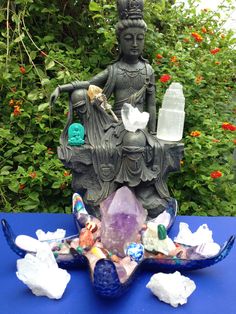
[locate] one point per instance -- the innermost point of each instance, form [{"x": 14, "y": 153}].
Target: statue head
[{"x": 131, "y": 28}]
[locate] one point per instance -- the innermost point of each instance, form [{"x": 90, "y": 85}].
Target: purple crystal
[{"x": 122, "y": 219}]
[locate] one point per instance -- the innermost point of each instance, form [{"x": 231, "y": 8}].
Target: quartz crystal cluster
[
  {"x": 171, "y": 288},
  {"x": 133, "y": 119},
  {"x": 201, "y": 240},
  {"x": 41, "y": 273}
]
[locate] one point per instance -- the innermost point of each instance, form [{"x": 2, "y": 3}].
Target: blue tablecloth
[{"x": 215, "y": 292}]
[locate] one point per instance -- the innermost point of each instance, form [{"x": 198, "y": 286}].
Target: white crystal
[
  {"x": 186, "y": 236},
  {"x": 42, "y": 274},
  {"x": 171, "y": 288},
  {"x": 45, "y": 236},
  {"x": 133, "y": 119},
  {"x": 171, "y": 116}
]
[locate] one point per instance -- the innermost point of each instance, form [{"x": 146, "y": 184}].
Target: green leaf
[
  {"x": 93, "y": 6},
  {"x": 14, "y": 186},
  {"x": 49, "y": 64},
  {"x": 43, "y": 106},
  {"x": 33, "y": 95},
  {"x": 33, "y": 54},
  {"x": 19, "y": 38}
]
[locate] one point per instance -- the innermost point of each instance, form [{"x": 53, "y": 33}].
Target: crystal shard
[{"x": 122, "y": 219}]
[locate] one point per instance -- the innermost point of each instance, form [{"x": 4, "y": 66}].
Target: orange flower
[
  {"x": 173, "y": 59},
  {"x": 217, "y": 62},
  {"x": 204, "y": 30},
  {"x": 22, "y": 70},
  {"x": 195, "y": 133},
  {"x": 33, "y": 174},
  {"x": 159, "y": 56},
  {"x": 214, "y": 51},
  {"x": 234, "y": 141},
  {"x": 198, "y": 79},
  {"x": 198, "y": 38},
  {"x": 222, "y": 36},
  {"x": 186, "y": 40},
  {"x": 215, "y": 140},
  {"x": 216, "y": 174},
  {"x": 17, "y": 111},
  {"x": 66, "y": 173}
]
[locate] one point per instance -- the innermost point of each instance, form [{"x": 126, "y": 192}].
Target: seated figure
[{"x": 112, "y": 156}]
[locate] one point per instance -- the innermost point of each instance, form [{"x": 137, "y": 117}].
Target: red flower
[
  {"x": 159, "y": 56},
  {"x": 216, "y": 174},
  {"x": 33, "y": 174},
  {"x": 17, "y": 111},
  {"x": 197, "y": 37},
  {"x": 234, "y": 141},
  {"x": 214, "y": 51},
  {"x": 228, "y": 126},
  {"x": 165, "y": 78},
  {"x": 22, "y": 70}
]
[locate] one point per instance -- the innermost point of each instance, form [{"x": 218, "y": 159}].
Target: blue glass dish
[{"x": 105, "y": 278}]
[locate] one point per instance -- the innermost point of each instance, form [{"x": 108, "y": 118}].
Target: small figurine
[{"x": 76, "y": 134}]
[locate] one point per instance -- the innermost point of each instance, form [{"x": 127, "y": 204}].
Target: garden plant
[{"x": 43, "y": 46}]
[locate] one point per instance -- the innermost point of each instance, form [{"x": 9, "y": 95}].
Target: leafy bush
[{"x": 41, "y": 47}]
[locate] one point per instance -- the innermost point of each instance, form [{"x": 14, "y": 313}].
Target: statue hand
[{"x": 54, "y": 96}]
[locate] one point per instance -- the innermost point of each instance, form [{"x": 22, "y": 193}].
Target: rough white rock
[
  {"x": 171, "y": 288},
  {"x": 42, "y": 274},
  {"x": 151, "y": 241},
  {"x": 133, "y": 119}
]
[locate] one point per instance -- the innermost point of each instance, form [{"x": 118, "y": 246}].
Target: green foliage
[{"x": 41, "y": 47}]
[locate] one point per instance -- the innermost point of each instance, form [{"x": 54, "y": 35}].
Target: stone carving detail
[{"x": 112, "y": 156}]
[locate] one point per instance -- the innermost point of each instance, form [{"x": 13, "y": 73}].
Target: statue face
[{"x": 132, "y": 42}]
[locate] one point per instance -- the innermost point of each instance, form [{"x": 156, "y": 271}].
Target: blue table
[{"x": 215, "y": 292}]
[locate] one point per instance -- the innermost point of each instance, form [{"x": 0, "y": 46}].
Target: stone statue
[{"x": 112, "y": 156}]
